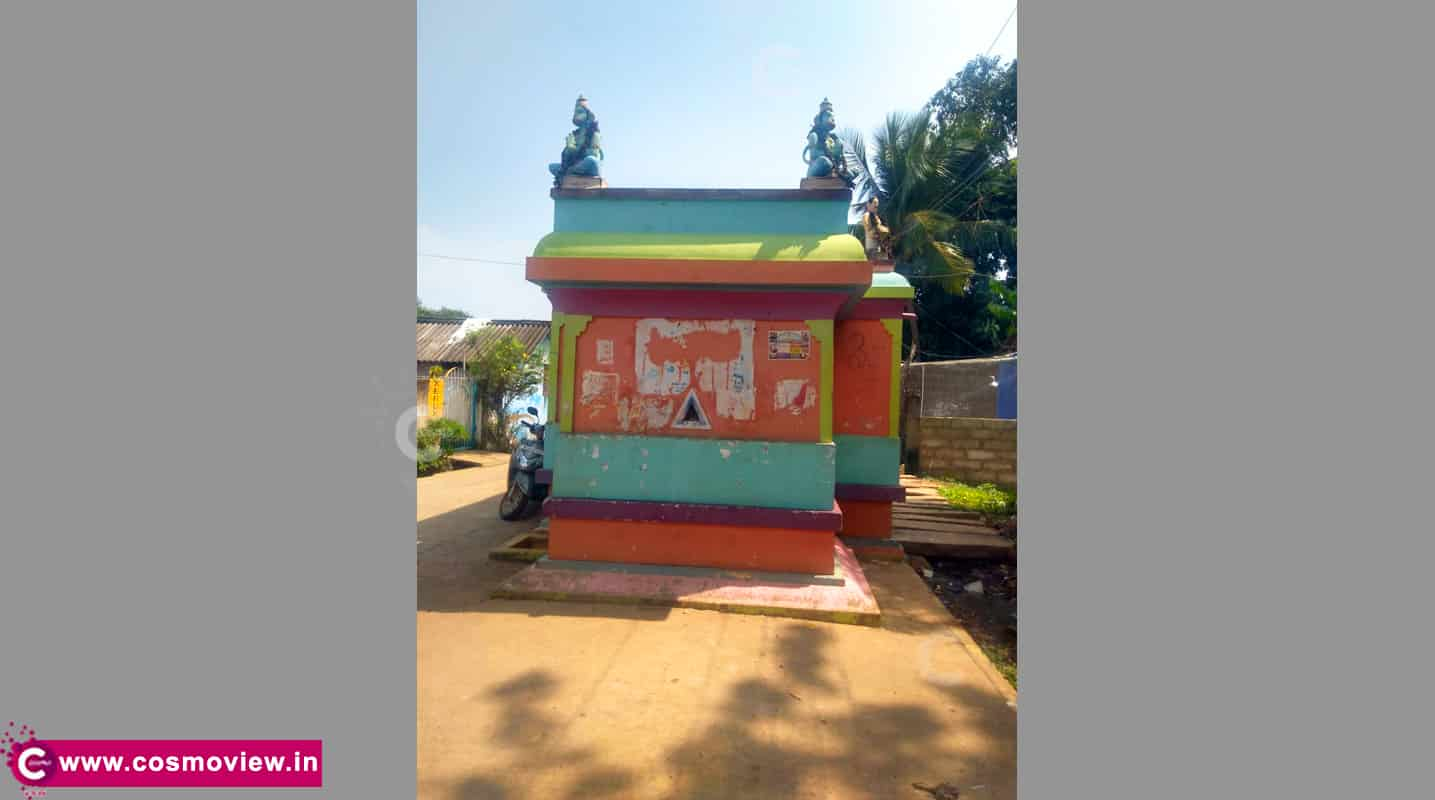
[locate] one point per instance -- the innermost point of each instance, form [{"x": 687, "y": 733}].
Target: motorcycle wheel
[{"x": 514, "y": 502}]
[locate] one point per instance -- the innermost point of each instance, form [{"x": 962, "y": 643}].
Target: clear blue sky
[{"x": 713, "y": 95}]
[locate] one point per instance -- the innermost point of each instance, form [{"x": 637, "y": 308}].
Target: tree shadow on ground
[
  {"x": 793, "y": 732},
  {"x": 800, "y": 648},
  {"x": 530, "y": 738},
  {"x": 772, "y": 741}
]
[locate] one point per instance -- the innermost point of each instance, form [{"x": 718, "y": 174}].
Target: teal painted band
[
  {"x": 797, "y": 475},
  {"x": 600, "y": 215},
  {"x": 873, "y": 460}
]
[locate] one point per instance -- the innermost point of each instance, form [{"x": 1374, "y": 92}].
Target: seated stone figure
[
  {"x": 823, "y": 153},
  {"x": 583, "y": 150}
]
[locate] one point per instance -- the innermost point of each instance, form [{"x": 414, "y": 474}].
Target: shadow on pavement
[{"x": 865, "y": 749}]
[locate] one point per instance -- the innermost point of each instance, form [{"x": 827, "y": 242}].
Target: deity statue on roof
[
  {"x": 823, "y": 153},
  {"x": 582, "y": 150}
]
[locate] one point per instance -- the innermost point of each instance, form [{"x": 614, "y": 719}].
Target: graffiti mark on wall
[{"x": 855, "y": 344}]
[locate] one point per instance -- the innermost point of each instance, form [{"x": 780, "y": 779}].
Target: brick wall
[{"x": 970, "y": 449}]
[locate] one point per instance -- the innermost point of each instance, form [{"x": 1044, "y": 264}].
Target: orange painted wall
[
  {"x": 861, "y": 378},
  {"x": 866, "y": 518},
  {"x": 611, "y": 396},
  {"x": 693, "y": 545}
]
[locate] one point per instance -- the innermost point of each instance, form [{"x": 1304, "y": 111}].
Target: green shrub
[
  {"x": 433, "y": 460},
  {"x": 432, "y": 455},
  {"x": 451, "y": 434},
  {"x": 984, "y": 498}
]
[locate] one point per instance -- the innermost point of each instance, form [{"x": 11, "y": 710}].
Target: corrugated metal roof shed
[{"x": 443, "y": 340}]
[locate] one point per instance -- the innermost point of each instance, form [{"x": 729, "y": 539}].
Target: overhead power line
[
  {"x": 464, "y": 258},
  {"x": 1000, "y": 32}
]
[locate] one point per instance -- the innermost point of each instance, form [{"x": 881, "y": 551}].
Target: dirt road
[{"x": 554, "y": 700}]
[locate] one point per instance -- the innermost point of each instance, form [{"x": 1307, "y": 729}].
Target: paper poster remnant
[
  {"x": 599, "y": 389},
  {"x": 605, "y": 351},
  {"x": 691, "y": 414},
  {"x": 794, "y": 395},
  {"x": 727, "y": 380},
  {"x": 656, "y": 413},
  {"x": 676, "y": 377},
  {"x": 786, "y": 345}
]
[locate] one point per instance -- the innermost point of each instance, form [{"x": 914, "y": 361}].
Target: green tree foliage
[
  {"x": 983, "y": 95},
  {"x": 501, "y": 374},
  {"x": 946, "y": 187},
  {"x": 427, "y": 313}
]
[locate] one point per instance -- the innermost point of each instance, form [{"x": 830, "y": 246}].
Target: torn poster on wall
[
  {"x": 793, "y": 396},
  {"x": 785, "y": 345},
  {"x": 730, "y": 379}
]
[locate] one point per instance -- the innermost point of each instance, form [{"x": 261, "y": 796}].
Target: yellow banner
[{"x": 435, "y": 397}]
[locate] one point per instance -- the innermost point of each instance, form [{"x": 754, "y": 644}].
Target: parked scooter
[{"x": 524, "y": 493}]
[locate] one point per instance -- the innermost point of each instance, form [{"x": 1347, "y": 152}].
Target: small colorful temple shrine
[{"x": 723, "y": 386}]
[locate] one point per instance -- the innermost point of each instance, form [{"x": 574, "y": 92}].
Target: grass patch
[
  {"x": 984, "y": 498},
  {"x": 1001, "y": 659}
]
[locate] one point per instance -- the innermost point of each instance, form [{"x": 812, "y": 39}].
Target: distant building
[{"x": 442, "y": 343}]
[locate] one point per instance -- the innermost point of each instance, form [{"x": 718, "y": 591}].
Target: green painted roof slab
[
  {"x": 889, "y": 285},
  {"x": 702, "y": 247}
]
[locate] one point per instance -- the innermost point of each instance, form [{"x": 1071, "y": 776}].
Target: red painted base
[
  {"x": 691, "y": 545},
  {"x": 867, "y": 518}
]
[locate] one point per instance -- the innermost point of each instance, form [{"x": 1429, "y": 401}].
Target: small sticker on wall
[
  {"x": 691, "y": 414},
  {"x": 788, "y": 345},
  {"x": 605, "y": 351}
]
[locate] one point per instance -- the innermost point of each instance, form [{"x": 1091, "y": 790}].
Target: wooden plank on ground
[
  {"x": 939, "y": 527},
  {"x": 924, "y": 512},
  {"x": 954, "y": 545},
  {"x": 898, "y": 519}
]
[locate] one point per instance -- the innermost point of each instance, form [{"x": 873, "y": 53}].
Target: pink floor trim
[{"x": 746, "y": 593}]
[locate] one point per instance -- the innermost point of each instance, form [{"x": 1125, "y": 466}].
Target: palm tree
[
  {"x": 933, "y": 184},
  {"x": 926, "y": 179}
]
